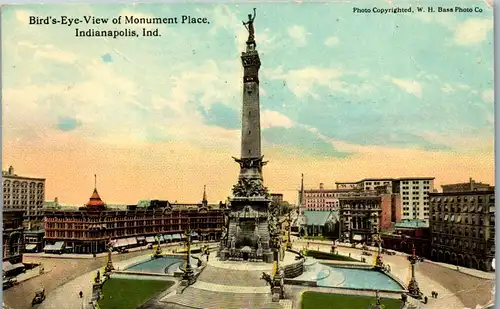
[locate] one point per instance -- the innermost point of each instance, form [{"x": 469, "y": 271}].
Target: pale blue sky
[{"x": 333, "y": 83}]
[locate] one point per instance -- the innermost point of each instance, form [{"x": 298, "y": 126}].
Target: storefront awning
[
  {"x": 183, "y": 236},
  {"x": 122, "y": 242},
  {"x": 30, "y": 247},
  {"x": 48, "y": 247},
  {"x": 161, "y": 238},
  {"x": 194, "y": 234},
  {"x": 140, "y": 238},
  {"x": 176, "y": 237},
  {"x": 150, "y": 239},
  {"x": 357, "y": 237},
  {"x": 58, "y": 245},
  {"x": 8, "y": 266},
  {"x": 167, "y": 237},
  {"x": 132, "y": 241}
]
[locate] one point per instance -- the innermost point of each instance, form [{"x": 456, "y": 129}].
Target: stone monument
[{"x": 247, "y": 226}]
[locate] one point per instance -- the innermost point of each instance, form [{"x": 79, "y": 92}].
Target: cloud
[
  {"x": 303, "y": 82},
  {"x": 410, "y": 86},
  {"x": 298, "y": 35},
  {"x": 48, "y": 51},
  {"x": 488, "y": 95},
  {"x": 269, "y": 119},
  {"x": 23, "y": 16},
  {"x": 473, "y": 31},
  {"x": 331, "y": 41}
]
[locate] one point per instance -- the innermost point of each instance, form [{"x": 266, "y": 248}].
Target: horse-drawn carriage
[{"x": 39, "y": 297}]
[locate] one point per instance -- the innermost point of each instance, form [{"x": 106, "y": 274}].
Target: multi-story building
[
  {"x": 276, "y": 198},
  {"x": 13, "y": 235},
  {"x": 364, "y": 214},
  {"x": 322, "y": 199},
  {"x": 90, "y": 228},
  {"x": 467, "y": 187},
  {"x": 414, "y": 192},
  {"x": 408, "y": 234},
  {"x": 462, "y": 227},
  {"x": 24, "y": 193}
]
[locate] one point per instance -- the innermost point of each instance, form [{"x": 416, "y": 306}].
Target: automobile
[
  {"x": 39, "y": 297},
  {"x": 9, "y": 282},
  {"x": 366, "y": 253}
]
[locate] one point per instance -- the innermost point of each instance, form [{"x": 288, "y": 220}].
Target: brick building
[
  {"x": 90, "y": 228},
  {"x": 463, "y": 226},
  {"x": 363, "y": 215},
  {"x": 414, "y": 192}
]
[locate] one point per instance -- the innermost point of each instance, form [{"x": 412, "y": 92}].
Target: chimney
[
  {"x": 471, "y": 184},
  {"x": 11, "y": 170},
  {"x": 321, "y": 186}
]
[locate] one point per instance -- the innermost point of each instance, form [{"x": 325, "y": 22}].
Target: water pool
[
  {"x": 356, "y": 278},
  {"x": 163, "y": 265}
]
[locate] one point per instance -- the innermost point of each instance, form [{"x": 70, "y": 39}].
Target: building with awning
[
  {"x": 30, "y": 248},
  {"x": 89, "y": 229},
  {"x": 34, "y": 237},
  {"x": 176, "y": 237},
  {"x": 58, "y": 247},
  {"x": 132, "y": 241},
  {"x": 167, "y": 237},
  {"x": 10, "y": 269},
  {"x": 120, "y": 243}
]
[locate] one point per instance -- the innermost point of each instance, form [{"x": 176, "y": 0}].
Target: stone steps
[
  {"x": 196, "y": 298},
  {"x": 231, "y": 277}
]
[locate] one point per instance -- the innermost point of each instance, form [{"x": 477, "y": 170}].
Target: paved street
[{"x": 66, "y": 277}]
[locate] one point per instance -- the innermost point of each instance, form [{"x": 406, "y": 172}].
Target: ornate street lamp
[
  {"x": 413, "y": 289},
  {"x": 109, "y": 265},
  {"x": 188, "y": 275}
]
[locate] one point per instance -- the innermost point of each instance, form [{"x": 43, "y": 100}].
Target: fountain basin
[
  {"x": 349, "y": 277},
  {"x": 162, "y": 265}
]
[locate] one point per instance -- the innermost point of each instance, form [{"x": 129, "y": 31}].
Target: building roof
[
  {"x": 387, "y": 179},
  {"x": 320, "y": 217},
  {"x": 411, "y": 224},
  {"x": 95, "y": 200},
  {"x": 437, "y": 194}
]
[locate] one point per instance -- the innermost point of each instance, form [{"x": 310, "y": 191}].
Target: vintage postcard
[{"x": 270, "y": 155}]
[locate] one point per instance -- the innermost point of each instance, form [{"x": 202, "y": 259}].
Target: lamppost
[
  {"x": 413, "y": 289},
  {"x": 109, "y": 265},
  {"x": 188, "y": 275}
]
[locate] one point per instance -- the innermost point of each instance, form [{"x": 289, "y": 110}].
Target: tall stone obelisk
[{"x": 248, "y": 235}]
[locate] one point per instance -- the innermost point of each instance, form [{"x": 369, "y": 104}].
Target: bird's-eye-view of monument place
[{"x": 375, "y": 241}]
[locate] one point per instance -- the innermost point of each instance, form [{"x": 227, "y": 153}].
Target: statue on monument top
[{"x": 250, "y": 28}]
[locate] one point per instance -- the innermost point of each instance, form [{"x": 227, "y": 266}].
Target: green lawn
[
  {"x": 329, "y": 256},
  {"x": 130, "y": 293},
  {"x": 315, "y": 300}
]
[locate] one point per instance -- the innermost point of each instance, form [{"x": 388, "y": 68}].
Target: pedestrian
[
  {"x": 425, "y": 300},
  {"x": 81, "y": 294},
  {"x": 432, "y": 294},
  {"x": 437, "y": 294}
]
